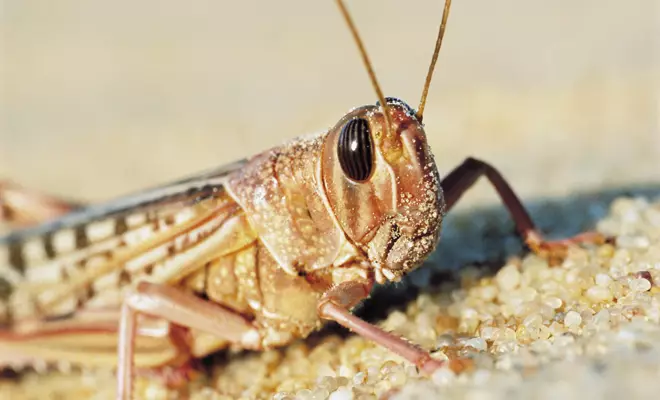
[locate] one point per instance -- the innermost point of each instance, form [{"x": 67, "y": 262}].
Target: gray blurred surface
[{"x": 103, "y": 97}]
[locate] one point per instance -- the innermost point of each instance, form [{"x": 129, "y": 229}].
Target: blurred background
[{"x": 100, "y": 98}]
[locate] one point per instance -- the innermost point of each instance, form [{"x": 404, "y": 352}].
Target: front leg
[
  {"x": 335, "y": 305},
  {"x": 465, "y": 175}
]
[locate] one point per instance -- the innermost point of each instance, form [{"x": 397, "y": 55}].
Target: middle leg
[{"x": 180, "y": 308}]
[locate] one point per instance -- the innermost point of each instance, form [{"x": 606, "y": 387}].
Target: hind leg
[{"x": 20, "y": 207}]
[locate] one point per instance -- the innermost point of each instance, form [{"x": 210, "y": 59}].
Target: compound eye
[{"x": 355, "y": 149}]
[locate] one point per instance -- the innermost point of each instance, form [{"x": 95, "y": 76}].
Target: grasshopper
[{"x": 251, "y": 255}]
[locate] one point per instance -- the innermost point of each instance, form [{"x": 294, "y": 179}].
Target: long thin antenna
[
  {"x": 367, "y": 64},
  {"x": 429, "y": 75}
]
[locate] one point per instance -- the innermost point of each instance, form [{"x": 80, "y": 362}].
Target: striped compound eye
[{"x": 355, "y": 150}]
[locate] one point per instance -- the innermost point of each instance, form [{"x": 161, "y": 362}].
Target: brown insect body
[
  {"x": 392, "y": 219},
  {"x": 320, "y": 228},
  {"x": 251, "y": 255},
  {"x": 294, "y": 227}
]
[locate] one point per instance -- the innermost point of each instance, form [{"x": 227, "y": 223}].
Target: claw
[
  {"x": 458, "y": 365},
  {"x": 555, "y": 251}
]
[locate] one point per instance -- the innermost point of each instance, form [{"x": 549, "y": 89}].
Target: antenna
[
  {"x": 429, "y": 75},
  {"x": 367, "y": 64}
]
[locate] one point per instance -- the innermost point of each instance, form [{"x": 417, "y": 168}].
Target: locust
[{"x": 251, "y": 255}]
